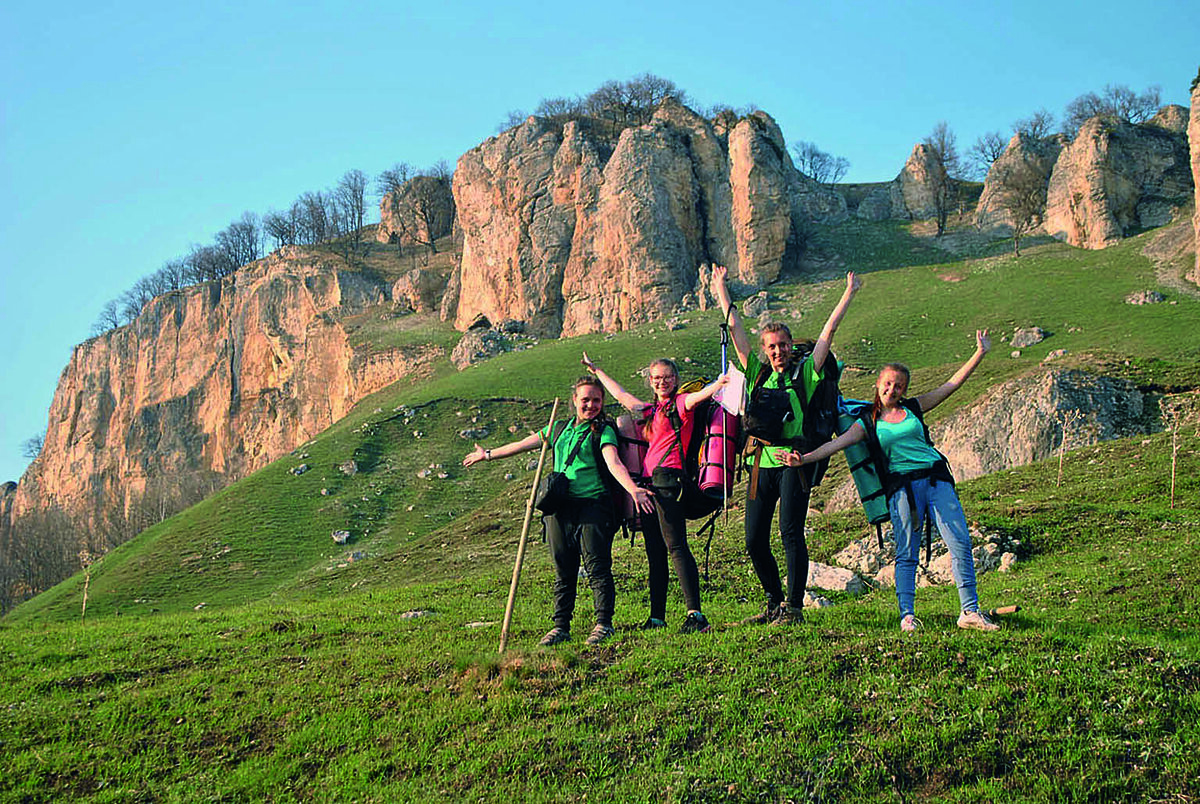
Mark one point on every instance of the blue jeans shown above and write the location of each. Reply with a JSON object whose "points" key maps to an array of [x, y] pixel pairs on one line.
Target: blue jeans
{"points": [[939, 500]]}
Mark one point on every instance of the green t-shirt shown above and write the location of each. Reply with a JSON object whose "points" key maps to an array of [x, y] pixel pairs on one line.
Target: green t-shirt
{"points": [[583, 476], [793, 428]]}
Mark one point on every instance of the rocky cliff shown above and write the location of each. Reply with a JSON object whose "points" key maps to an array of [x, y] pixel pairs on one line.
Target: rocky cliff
{"points": [[1114, 179], [1038, 153], [910, 196], [1193, 133], [572, 235], [207, 385]]}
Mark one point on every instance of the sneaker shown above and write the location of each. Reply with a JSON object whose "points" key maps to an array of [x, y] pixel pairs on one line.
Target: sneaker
{"points": [[599, 634], [696, 623], [977, 621], [768, 615], [788, 616], [554, 636], [910, 623], [653, 623]]}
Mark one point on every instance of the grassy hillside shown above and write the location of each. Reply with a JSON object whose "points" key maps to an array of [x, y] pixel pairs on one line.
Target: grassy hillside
{"points": [[234, 652]]}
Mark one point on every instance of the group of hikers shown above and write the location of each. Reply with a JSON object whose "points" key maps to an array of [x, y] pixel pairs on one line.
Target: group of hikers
{"points": [[915, 479]]}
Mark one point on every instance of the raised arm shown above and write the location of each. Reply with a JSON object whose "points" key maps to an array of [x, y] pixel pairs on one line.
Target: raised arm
{"points": [[931, 399], [623, 397], [741, 343], [642, 498], [821, 350], [531, 441], [693, 399]]}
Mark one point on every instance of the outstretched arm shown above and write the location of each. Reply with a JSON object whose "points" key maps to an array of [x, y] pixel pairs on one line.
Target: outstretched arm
{"points": [[821, 350], [623, 397], [642, 498], [690, 401], [855, 434], [931, 399], [741, 343], [514, 448]]}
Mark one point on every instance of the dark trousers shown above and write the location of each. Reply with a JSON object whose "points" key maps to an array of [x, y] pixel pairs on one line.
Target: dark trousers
{"points": [[584, 529], [666, 536], [784, 486]]}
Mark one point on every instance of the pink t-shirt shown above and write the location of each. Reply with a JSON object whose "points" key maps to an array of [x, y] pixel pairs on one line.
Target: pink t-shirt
{"points": [[663, 450]]}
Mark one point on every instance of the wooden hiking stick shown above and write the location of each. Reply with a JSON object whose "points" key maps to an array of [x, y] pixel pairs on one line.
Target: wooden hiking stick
{"points": [[1002, 610], [537, 477]]}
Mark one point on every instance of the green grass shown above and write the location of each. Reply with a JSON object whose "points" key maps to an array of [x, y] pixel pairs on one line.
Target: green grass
{"points": [[298, 680]]}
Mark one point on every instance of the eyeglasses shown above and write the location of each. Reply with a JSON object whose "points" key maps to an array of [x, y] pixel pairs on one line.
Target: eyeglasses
{"points": [[661, 377]]}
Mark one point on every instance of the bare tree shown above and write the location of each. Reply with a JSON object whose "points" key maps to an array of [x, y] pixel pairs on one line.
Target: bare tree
{"points": [[821, 167], [983, 153], [241, 241], [423, 210], [1038, 125], [350, 195], [32, 446], [944, 183], [1023, 196], [392, 180], [1117, 101], [109, 318]]}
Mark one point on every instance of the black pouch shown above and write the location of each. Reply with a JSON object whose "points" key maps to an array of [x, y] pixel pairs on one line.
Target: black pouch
{"points": [[767, 410], [668, 482], [551, 493]]}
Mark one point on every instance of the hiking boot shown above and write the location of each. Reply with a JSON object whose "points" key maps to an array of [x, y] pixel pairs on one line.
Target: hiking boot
{"points": [[768, 615], [909, 622], [696, 623], [554, 636], [599, 634], [652, 624], [788, 615], [977, 621]]}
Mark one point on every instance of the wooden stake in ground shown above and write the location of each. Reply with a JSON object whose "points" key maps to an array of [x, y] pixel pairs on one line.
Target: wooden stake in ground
{"points": [[537, 477]]}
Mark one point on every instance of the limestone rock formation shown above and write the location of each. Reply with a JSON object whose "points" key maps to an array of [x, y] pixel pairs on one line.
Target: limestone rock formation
{"points": [[1039, 153], [1114, 179], [420, 290], [1173, 118], [572, 234], [419, 214], [209, 384], [1194, 145], [910, 196]]}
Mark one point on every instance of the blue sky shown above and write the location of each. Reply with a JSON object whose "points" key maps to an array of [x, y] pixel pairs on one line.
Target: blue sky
{"points": [[132, 130]]}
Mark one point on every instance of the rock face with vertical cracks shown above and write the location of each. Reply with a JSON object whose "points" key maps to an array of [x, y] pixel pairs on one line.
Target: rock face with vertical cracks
{"points": [[213, 381], [571, 234]]}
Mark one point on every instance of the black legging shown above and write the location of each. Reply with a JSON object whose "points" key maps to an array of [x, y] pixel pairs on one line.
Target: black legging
{"points": [[783, 485], [667, 534], [584, 528]]}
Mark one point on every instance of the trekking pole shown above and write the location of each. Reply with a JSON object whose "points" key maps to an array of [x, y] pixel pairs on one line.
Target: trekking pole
{"points": [[537, 477]]}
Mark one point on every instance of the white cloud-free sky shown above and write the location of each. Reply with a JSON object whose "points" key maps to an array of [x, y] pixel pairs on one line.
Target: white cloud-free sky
{"points": [[131, 130]]}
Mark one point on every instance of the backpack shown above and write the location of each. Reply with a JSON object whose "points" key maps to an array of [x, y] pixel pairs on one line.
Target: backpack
{"points": [[696, 503], [767, 409], [868, 466]]}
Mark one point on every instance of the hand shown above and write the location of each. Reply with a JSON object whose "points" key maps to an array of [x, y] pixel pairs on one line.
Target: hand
{"points": [[588, 363], [722, 381], [719, 273], [982, 341], [643, 500], [792, 458], [853, 282], [479, 454]]}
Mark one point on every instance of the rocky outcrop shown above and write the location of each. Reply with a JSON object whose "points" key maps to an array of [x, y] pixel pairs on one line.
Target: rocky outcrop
{"points": [[1040, 154], [210, 382], [912, 194], [1173, 118], [1115, 179], [419, 214], [1194, 145], [571, 235]]}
